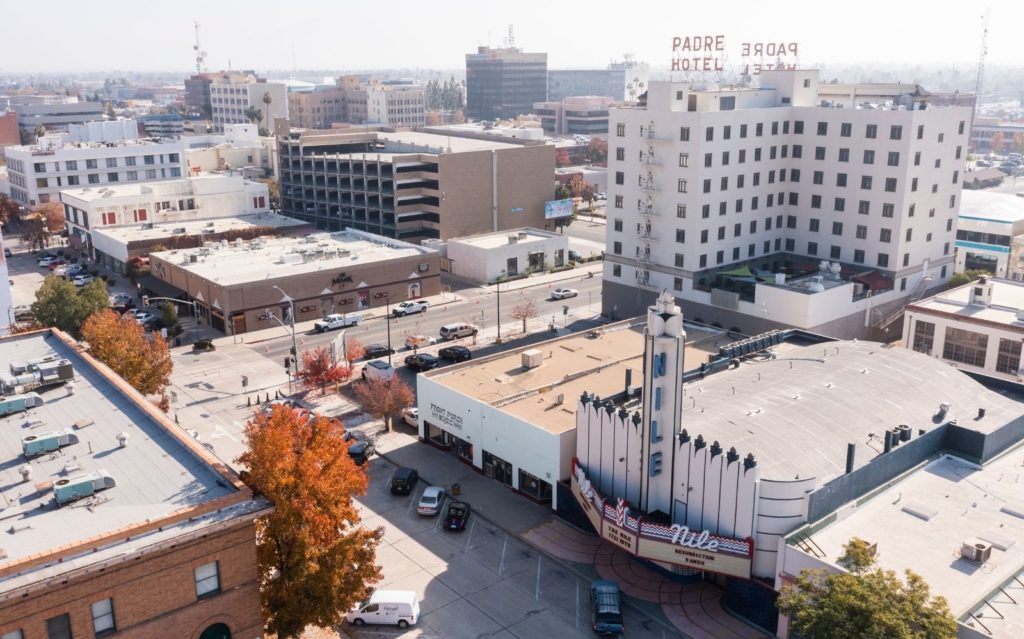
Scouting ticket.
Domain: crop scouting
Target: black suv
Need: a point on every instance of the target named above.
(374, 351)
(421, 362)
(404, 481)
(360, 452)
(606, 615)
(455, 353)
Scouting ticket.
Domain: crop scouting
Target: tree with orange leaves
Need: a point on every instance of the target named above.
(354, 349)
(52, 214)
(318, 370)
(121, 343)
(384, 398)
(314, 559)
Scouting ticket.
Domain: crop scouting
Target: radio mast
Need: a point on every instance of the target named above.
(200, 54)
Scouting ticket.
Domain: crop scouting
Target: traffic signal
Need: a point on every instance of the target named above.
(287, 362)
(145, 300)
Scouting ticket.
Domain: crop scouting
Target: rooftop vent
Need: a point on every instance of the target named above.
(532, 358)
(178, 231)
(513, 239)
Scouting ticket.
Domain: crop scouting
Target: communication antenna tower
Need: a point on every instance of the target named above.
(981, 58)
(200, 54)
(510, 39)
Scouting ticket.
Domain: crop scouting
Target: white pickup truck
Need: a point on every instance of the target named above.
(407, 308)
(335, 321)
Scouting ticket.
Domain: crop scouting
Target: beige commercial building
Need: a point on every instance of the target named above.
(414, 185)
(353, 100)
(235, 284)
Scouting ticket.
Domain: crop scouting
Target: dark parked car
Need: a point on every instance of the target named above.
(404, 481)
(606, 605)
(374, 351)
(455, 353)
(360, 452)
(457, 516)
(421, 362)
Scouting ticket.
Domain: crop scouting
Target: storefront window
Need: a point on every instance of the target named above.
(463, 449)
(436, 435)
(364, 299)
(497, 468)
(534, 487)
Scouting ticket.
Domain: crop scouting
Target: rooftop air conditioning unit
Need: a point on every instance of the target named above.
(532, 358)
(73, 488)
(513, 239)
(178, 231)
(976, 550)
(43, 443)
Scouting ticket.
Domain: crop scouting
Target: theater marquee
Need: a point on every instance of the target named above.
(675, 544)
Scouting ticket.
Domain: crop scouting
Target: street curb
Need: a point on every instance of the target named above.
(570, 566)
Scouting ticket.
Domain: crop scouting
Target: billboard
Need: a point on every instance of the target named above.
(557, 208)
(673, 544)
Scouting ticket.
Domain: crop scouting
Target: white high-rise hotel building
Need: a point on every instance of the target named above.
(764, 206)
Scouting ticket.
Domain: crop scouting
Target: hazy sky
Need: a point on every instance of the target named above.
(70, 35)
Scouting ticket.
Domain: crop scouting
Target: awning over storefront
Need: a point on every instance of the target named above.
(159, 288)
(874, 280)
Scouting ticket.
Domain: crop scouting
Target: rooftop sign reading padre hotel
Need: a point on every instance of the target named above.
(709, 53)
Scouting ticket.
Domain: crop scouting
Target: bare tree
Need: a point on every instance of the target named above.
(524, 310)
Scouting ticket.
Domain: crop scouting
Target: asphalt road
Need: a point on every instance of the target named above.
(477, 306)
(586, 230)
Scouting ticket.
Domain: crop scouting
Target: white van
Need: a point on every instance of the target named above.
(398, 607)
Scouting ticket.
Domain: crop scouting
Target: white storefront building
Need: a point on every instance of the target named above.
(730, 198)
(489, 257)
(989, 222)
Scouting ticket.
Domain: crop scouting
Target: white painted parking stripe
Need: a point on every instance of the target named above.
(504, 547)
(469, 537)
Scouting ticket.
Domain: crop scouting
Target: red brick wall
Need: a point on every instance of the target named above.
(154, 594)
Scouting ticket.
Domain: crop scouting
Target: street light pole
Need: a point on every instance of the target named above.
(497, 290)
(291, 308)
(387, 308)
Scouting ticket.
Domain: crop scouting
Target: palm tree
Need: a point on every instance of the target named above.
(254, 115)
(267, 100)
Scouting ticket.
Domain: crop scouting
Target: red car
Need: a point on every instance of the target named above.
(55, 265)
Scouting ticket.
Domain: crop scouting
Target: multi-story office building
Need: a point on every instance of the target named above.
(414, 185)
(621, 81)
(504, 83)
(207, 197)
(197, 93)
(162, 125)
(988, 129)
(392, 104)
(56, 115)
(579, 115)
(239, 147)
(232, 94)
(117, 522)
(40, 171)
(759, 207)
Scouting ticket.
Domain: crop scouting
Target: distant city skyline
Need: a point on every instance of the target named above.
(320, 34)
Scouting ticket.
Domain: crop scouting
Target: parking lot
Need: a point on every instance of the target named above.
(477, 583)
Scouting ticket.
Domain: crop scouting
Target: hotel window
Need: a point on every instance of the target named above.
(885, 235)
(707, 186)
(909, 234)
(617, 225)
(111, 163)
(103, 617)
(883, 260)
(871, 131)
(960, 130)
(845, 129)
(819, 153)
(91, 164)
(894, 158)
(109, 217)
(726, 130)
(129, 161)
(864, 207)
(707, 159)
(620, 130)
(681, 236)
(719, 257)
(956, 176)
(684, 159)
(757, 154)
(862, 232)
(743, 130)
(896, 132)
(798, 126)
(620, 177)
(839, 204)
(620, 154)
(684, 133)
(889, 209)
(966, 347)
(709, 134)
(617, 248)
(617, 270)
(112, 177)
(952, 201)
(725, 158)
(840, 179)
(680, 259)
(890, 185)
(798, 151)
(814, 224)
(59, 627)
(618, 201)
(917, 158)
(837, 228)
(959, 150)
(72, 181)
(812, 248)
(140, 215)
(681, 185)
(1008, 360)
(865, 182)
(739, 205)
(703, 261)
(207, 579)
(71, 165)
(677, 283)
(822, 128)
(924, 337)
(739, 180)
(759, 129)
(149, 159)
(743, 156)
(681, 210)
(818, 177)
(705, 211)
(704, 236)
(858, 256)
(775, 128)
(906, 261)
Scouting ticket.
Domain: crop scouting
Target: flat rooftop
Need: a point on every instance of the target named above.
(921, 522)
(495, 240)
(1007, 299)
(197, 186)
(141, 232)
(990, 206)
(230, 264)
(156, 474)
(439, 141)
(797, 412)
(593, 362)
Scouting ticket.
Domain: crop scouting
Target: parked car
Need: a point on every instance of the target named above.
(335, 321)
(47, 260)
(455, 353)
(54, 265)
(120, 299)
(398, 607)
(70, 270)
(411, 416)
(457, 330)
(574, 256)
(403, 482)
(564, 293)
(408, 308)
(378, 369)
(606, 608)
(82, 280)
(23, 313)
(430, 501)
(7, 252)
(142, 317)
(360, 452)
(421, 362)
(268, 408)
(419, 341)
(374, 351)
(457, 516)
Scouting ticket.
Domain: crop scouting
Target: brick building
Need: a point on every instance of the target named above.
(116, 521)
